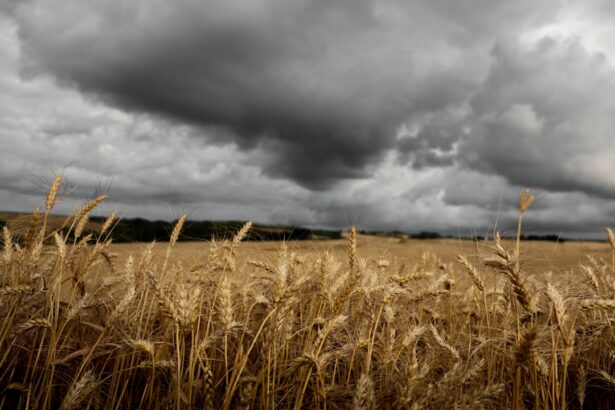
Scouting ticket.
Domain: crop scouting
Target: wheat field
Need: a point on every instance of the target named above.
(362, 324)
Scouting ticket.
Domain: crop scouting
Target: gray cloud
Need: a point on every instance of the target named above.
(398, 115)
(543, 118)
(318, 81)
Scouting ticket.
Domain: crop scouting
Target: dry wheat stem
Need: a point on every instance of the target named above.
(53, 193)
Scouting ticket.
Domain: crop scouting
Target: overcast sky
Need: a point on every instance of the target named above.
(410, 114)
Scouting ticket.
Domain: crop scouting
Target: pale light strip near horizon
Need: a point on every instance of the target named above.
(407, 115)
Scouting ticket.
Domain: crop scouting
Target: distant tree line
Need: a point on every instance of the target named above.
(143, 230)
(437, 235)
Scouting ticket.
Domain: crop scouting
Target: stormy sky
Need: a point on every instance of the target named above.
(391, 114)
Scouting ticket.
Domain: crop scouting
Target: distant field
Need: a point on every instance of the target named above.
(538, 256)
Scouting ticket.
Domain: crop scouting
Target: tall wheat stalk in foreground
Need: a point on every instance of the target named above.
(77, 330)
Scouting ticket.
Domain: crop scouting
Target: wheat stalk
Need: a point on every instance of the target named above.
(525, 201)
(582, 384)
(590, 304)
(8, 245)
(559, 305)
(471, 270)
(108, 223)
(526, 347)
(52, 195)
(34, 323)
(352, 249)
(442, 343)
(364, 396)
(81, 218)
(591, 275)
(226, 304)
(16, 290)
(79, 390)
(144, 345)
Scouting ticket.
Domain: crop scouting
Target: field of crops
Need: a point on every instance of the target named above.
(363, 323)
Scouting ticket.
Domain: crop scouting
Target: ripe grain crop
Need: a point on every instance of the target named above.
(78, 329)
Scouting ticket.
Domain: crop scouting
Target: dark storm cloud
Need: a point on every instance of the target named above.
(393, 114)
(323, 84)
